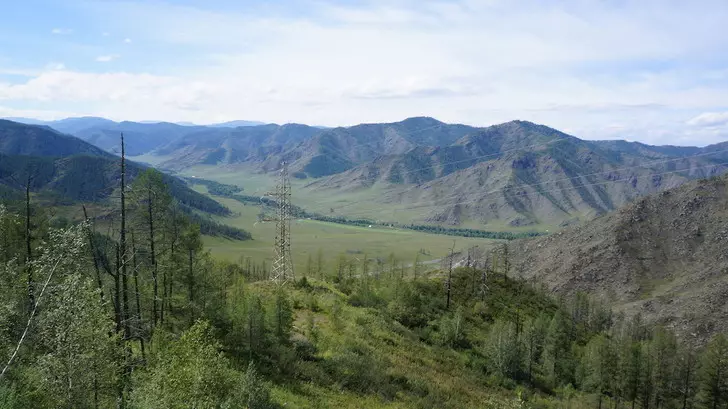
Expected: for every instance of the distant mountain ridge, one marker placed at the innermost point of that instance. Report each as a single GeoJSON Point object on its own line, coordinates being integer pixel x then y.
{"type": "Point", "coordinates": [143, 136]}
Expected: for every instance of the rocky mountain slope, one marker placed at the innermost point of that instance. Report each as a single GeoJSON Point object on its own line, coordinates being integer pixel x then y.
{"type": "Point", "coordinates": [522, 174]}
{"type": "Point", "coordinates": [664, 256]}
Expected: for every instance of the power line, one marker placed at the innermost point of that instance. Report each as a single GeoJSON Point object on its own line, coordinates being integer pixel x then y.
{"type": "Point", "coordinates": [282, 263]}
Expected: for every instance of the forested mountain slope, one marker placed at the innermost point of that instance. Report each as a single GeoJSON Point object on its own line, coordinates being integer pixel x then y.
{"type": "Point", "coordinates": [664, 256]}
{"type": "Point", "coordinates": [35, 140]}
{"type": "Point", "coordinates": [74, 170]}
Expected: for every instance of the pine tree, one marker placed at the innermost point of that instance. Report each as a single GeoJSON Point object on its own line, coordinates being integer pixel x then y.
{"type": "Point", "coordinates": [598, 367]}
{"type": "Point", "coordinates": [534, 335]}
{"type": "Point", "coordinates": [191, 242]}
{"type": "Point", "coordinates": [256, 328]}
{"type": "Point", "coordinates": [663, 350]}
{"type": "Point", "coordinates": [282, 316]}
{"type": "Point", "coordinates": [557, 353]}
{"type": "Point", "coordinates": [686, 381]}
{"type": "Point", "coordinates": [629, 370]}
{"type": "Point", "coordinates": [416, 267]}
{"type": "Point", "coordinates": [647, 377]}
{"type": "Point", "coordinates": [714, 375]}
{"type": "Point", "coordinates": [152, 201]}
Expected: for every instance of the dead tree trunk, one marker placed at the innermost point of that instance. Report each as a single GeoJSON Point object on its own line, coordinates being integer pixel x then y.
{"type": "Point", "coordinates": [28, 247]}
{"type": "Point", "coordinates": [94, 256]}
{"type": "Point", "coordinates": [135, 270]}
{"type": "Point", "coordinates": [449, 275]}
{"type": "Point", "coordinates": [153, 255]}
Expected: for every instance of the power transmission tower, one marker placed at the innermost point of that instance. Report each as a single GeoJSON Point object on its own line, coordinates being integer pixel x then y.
{"type": "Point", "coordinates": [282, 262]}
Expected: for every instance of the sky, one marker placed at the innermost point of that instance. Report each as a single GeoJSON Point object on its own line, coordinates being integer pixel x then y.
{"type": "Point", "coordinates": [654, 71]}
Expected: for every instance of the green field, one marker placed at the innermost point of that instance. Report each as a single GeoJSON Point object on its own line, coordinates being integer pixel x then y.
{"type": "Point", "coordinates": [308, 236]}
{"type": "Point", "coordinates": [350, 204]}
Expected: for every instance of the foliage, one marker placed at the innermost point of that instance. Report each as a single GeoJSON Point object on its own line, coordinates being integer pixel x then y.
{"type": "Point", "coordinates": [191, 372]}
{"type": "Point", "coordinates": [222, 336]}
{"type": "Point", "coordinates": [216, 188]}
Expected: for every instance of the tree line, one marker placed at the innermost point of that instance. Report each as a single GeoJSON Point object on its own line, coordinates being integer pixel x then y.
{"type": "Point", "coordinates": [231, 191]}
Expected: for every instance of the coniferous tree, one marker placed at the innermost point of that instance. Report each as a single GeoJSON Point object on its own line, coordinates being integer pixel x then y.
{"type": "Point", "coordinates": [255, 393]}
{"type": "Point", "coordinates": [647, 377]}
{"type": "Point", "coordinates": [282, 315]}
{"type": "Point", "coordinates": [686, 381]}
{"type": "Point", "coordinates": [309, 266]}
{"type": "Point", "coordinates": [191, 242]}
{"type": "Point", "coordinates": [557, 353]}
{"type": "Point", "coordinates": [629, 370]}
{"type": "Point", "coordinates": [152, 201]}
{"type": "Point", "coordinates": [534, 335]}
{"type": "Point", "coordinates": [256, 328]}
{"type": "Point", "coordinates": [714, 375]}
{"type": "Point", "coordinates": [598, 367]}
{"type": "Point", "coordinates": [663, 350]}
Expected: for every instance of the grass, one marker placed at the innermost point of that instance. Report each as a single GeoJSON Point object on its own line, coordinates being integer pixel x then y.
{"type": "Point", "coordinates": [424, 376]}
{"type": "Point", "coordinates": [310, 236]}
{"type": "Point", "coordinates": [381, 363]}
{"type": "Point", "coordinates": [350, 204]}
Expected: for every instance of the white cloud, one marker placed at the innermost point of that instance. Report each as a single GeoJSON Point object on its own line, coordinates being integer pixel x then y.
{"type": "Point", "coordinates": [56, 66]}
{"type": "Point", "coordinates": [127, 40]}
{"type": "Point", "coordinates": [107, 58]}
{"type": "Point", "coordinates": [710, 119]}
{"type": "Point", "coordinates": [61, 31]}
{"type": "Point", "coordinates": [44, 114]}
{"type": "Point", "coordinates": [582, 65]}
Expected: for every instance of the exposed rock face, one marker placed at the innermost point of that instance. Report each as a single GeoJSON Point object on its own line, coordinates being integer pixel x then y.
{"type": "Point", "coordinates": [665, 256]}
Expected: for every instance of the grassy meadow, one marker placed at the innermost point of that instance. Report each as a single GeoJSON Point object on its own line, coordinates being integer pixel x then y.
{"type": "Point", "coordinates": [310, 236]}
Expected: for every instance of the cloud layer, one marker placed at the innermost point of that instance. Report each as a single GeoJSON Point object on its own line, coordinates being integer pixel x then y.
{"type": "Point", "coordinates": [597, 69]}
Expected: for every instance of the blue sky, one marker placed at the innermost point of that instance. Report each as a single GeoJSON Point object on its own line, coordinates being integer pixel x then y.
{"type": "Point", "coordinates": [648, 70]}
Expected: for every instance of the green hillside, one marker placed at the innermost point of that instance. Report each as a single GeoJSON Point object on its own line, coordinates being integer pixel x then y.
{"type": "Point", "coordinates": [352, 334]}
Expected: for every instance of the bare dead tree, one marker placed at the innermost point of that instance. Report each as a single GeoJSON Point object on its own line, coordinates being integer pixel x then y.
{"type": "Point", "coordinates": [449, 274]}
{"type": "Point", "coordinates": [138, 321]}
{"type": "Point", "coordinates": [94, 254]}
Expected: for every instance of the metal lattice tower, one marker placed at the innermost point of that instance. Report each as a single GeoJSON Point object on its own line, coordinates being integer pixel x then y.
{"type": "Point", "coordinates": [282, 262]}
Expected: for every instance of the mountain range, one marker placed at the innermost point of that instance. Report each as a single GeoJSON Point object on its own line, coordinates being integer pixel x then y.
{"type": "Point", "coordinates": [512, 175]}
